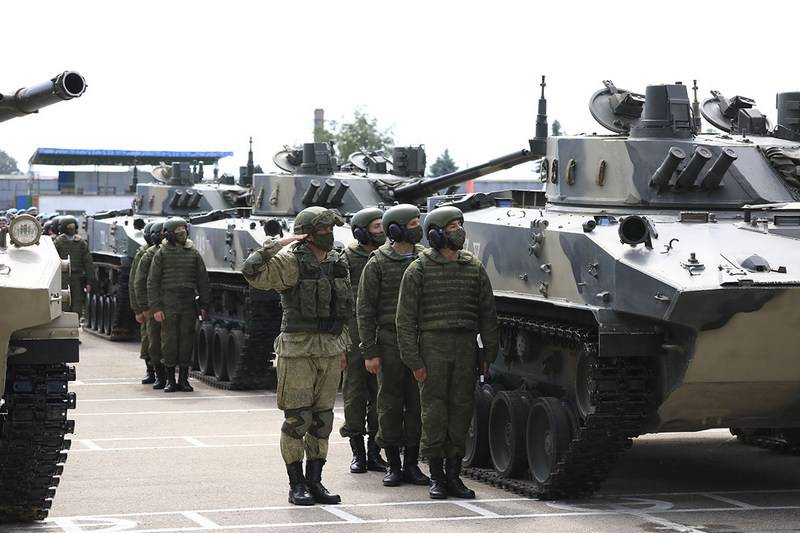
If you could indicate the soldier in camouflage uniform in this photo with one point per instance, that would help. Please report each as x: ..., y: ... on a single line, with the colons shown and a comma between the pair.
x: 314, y: 284
x: 446, y: 299
x: 176, y: 275
x: 140, y: 288
x: 138, y: 311
x: 398, y: 393
x: 359, y: 387
x: 82, y: 276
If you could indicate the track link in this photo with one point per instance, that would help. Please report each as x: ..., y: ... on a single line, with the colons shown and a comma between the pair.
x: 621, y: 398
x: 33, y: 424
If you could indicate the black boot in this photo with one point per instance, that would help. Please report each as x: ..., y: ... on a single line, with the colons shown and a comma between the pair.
x: 315, y: 486
x: 438, y: 490
x: 150, y: 376
x: 359, y: 463
x: 374, y: 460
x: 411, y: 472
x: 183, y: 380
x: 298, y: 489
x: 394, y: 474
x: 161, y: 377
x: 172, y: 386
x: 453, y: 482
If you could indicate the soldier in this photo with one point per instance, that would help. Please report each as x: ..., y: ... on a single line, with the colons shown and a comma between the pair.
x: 446, y: 299
x: 398, y: 393
x: 359, y: 387
x: 70, y: 245
x: 176, y: 274
x: 314, y: 284
x: 140, y: 287
x: 4, y: 222
x: 138, y: 311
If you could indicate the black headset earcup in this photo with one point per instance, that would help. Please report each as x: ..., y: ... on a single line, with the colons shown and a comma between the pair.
x: 435, y: 237
x: 395, y: 231
x: 360, y: 235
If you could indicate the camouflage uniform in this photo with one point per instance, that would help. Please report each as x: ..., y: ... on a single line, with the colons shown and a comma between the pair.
x: 144, y: 351
x: 443, y: 306
x: 82, y: 269
x: 153, y: 326
x: 176, y: 274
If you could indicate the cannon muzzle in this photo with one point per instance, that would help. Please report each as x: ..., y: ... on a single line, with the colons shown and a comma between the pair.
x: 65, y: 86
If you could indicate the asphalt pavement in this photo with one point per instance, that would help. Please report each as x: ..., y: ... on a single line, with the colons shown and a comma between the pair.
x: 145, y: 462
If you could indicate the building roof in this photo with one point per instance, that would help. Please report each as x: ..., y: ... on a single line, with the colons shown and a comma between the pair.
x: 68, y: 156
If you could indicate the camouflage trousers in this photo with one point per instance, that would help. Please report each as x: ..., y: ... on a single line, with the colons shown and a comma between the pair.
x: 144, y: 350
x: 306, y: 394
x: 398, y: 400
x: 154, y: 340
x: 177, y: 338
x: 447, y: 395
x: 76, y: 284
x: 360, y: 393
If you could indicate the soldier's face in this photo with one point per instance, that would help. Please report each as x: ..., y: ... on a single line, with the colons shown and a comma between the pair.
x: 454, y: 225
x: 413, y: 223
x: 376, y: 226
x: 180, y: 229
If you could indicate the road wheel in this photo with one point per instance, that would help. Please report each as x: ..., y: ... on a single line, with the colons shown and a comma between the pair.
x: 113, y: 306
x: 92, y: 322
x: 477, y: 445
x: 548, y: 434
x: 507, y: 420
x: 233, y: 355
x: 219, y: 353
x: 205, y: 346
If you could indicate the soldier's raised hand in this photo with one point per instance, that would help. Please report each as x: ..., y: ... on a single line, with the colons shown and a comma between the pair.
x: 292, y: 238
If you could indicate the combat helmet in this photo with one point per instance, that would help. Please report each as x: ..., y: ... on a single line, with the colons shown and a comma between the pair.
x: 395, y: 220
x: 315, y: 218
x: 148, y: 238
x: 157, y: 232
x: 172, y: 224
x: 361, y: 221
x: 65, y: 221
x: 437, y: 220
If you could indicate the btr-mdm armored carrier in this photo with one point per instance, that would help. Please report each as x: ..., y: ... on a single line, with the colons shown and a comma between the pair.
x: 37, y: 341
x: 114, y: 237
x: 655, y: 291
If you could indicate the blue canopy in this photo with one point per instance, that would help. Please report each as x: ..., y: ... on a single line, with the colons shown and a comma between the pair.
x: 68, y: 156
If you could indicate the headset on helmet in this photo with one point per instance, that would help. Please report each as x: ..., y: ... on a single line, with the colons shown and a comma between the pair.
x: 437, y: 220
x: 361, y: 221
x: 395, y: 219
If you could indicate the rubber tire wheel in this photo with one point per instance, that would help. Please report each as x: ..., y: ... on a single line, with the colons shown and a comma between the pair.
x: 548, y: 433
x: 195, y: 349
x: 113, y: 307
x: 205, y: 347
x: 92, y: 322
x: 219, y: 353
x: 107, y: 314
x: 101, y: 312
x: 233, y: 356
x: 507, y: 421
x: 477, y: 445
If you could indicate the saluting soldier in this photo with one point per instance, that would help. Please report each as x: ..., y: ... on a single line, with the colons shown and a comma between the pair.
x: 398, y: 393
x: 137, y: 309
x: 314, y: 284
x: 72, y: 246
x: 140, y: 288
x: 359, y: 387
x: 176, y: 275
x: 446, y: 300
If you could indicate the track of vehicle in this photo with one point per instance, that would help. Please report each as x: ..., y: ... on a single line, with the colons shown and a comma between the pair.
x: 33, y: 424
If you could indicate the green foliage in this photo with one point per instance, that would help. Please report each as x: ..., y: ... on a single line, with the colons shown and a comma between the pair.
x: 557, y: 131
x: 361, y: 131
x: 444, y: 164
x: 8, y: 165
x: 321, y: 135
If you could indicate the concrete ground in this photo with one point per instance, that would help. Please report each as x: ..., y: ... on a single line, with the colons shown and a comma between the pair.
x: 143, y: 461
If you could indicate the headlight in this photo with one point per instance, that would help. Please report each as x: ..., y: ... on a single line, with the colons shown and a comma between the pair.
x: 25, y: 230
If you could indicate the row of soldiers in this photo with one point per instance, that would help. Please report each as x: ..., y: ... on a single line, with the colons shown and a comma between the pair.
x: 168, y: 289
x: 410, y: 378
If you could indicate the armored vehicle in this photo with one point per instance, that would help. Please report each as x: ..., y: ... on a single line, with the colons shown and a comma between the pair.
x: 37, y: 341
x: 653, y: 291
x: 114, y: 237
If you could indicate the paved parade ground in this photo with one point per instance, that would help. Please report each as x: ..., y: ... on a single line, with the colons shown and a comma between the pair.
x: 143, y: 461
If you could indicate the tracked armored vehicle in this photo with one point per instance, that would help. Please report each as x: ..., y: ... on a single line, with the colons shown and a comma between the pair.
x: 654, y: 291
x: 37, y: 342
x: 114, y: 237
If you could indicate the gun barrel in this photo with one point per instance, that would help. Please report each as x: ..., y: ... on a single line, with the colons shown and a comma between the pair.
x: 65, y: 86
x: 429, y: 186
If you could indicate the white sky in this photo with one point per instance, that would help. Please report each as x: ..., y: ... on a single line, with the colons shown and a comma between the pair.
x: 206, y: 75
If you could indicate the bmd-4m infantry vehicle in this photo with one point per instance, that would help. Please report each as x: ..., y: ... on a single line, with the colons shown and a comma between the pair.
x: 37, y: 341
x: 234, y: 347
x: 114, y: 237
x: 655, y: 291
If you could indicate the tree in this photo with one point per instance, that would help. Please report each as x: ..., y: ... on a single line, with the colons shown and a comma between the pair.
x: 557, y: 131
x: 8, y: 165
x: 444, y: 164
x: 360, y: 132
x: 322, y: 135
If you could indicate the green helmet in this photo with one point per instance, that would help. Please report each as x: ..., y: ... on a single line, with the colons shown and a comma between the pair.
x: 156, y: 232
x: 174, y: 223
x: 65, y: 221
x: 437, y: 220
x: 146, y: 232
x: 316, y: 218
x: 395, y: 220
x: 361, y: 221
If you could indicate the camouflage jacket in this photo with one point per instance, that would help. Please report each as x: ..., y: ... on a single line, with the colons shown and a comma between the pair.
x: 140, y: 280
x: 377, y: 296
x: 274, y: 268
x: 80, y: 258
x: 441, y: 295
x: 176, y: 274
x: 135, y: 307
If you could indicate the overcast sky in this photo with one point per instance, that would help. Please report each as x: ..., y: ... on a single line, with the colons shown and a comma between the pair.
x: 206, y: 75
